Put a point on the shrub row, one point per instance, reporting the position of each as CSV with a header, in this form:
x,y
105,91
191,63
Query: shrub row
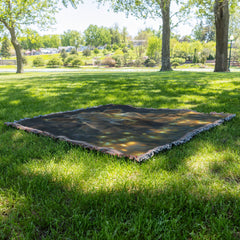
x,y
71,61
76,61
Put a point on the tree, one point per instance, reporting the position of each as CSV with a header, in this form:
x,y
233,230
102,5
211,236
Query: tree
x,y
15,15
144,35
72,38
205,32
97,36
234,25
144,9
221,10
51,41
124,35
154,48
5,49
115,35
31,41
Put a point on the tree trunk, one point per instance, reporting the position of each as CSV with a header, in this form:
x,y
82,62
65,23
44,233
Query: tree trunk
x,y
17,48
165,8
221,12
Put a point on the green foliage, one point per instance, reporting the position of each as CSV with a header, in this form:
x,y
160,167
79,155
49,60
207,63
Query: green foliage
x,y
205,33
71,38
125,50
17,14
74,51
118,52
5,49
97,36
63,54
178,60
73,61
150,62
154,48
138,62
126,59
234,25
86,52
77,62
115,35
109,47
31,40
51,41
192,50
145,35
119,60
38,62
96,50
115,47
68,60
105,51
54,62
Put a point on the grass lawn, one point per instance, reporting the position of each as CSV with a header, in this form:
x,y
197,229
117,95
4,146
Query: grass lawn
x,y
52,190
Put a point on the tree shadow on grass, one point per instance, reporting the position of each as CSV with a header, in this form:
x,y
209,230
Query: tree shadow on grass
x,y
110,198
43,205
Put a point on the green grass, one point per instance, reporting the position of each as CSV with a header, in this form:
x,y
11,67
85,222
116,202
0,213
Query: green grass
x,y
52,190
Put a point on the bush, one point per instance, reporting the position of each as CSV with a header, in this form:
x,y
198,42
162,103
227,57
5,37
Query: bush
x,y
150,62
97,62
54,62
76,62
68,60
126,59
109,61
96,50
119,60
109,48
125,50
74,51
203,59
63,54
178,60
105,52
86,52
138,62
118,52
115,46
38,62
73,61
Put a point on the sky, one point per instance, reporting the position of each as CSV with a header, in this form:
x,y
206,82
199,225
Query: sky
x,y
88,13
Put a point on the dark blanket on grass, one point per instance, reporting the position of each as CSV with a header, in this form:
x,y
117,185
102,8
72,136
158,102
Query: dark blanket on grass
x,y
137,133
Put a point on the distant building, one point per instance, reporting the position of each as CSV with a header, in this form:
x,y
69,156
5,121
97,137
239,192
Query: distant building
x,y
48,50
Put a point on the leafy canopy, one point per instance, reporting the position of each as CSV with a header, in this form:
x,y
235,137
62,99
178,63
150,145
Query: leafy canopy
x,y
21,13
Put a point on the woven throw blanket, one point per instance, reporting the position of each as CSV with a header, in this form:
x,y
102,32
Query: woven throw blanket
x,y
122,130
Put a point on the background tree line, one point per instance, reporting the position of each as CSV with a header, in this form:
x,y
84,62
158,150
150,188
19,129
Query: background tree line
x,y
17,15
196,48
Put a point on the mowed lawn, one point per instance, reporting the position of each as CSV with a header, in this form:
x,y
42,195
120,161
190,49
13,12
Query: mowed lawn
x,y
52,190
